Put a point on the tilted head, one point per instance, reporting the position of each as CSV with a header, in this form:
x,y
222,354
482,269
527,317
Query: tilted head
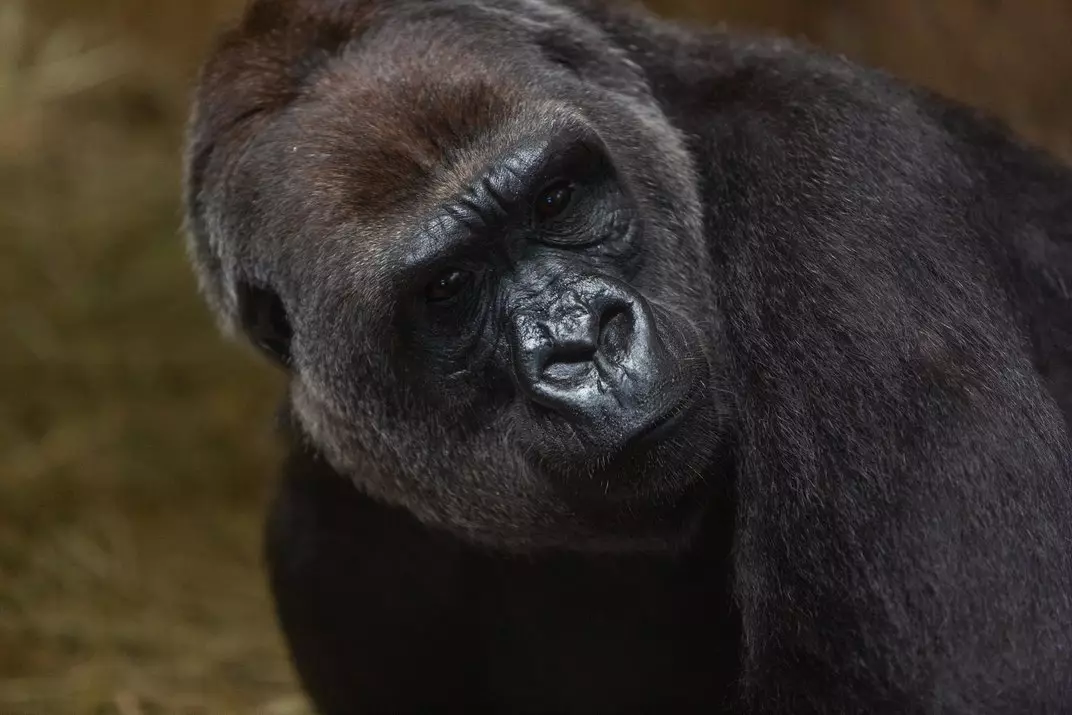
x,y
474,241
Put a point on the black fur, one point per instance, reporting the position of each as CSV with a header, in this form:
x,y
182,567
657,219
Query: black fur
x,y
857,294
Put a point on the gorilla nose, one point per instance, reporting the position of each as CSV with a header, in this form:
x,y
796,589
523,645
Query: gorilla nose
x,y
591,354
590,334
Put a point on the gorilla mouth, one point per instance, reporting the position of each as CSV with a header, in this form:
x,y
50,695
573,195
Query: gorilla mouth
x,y
662,425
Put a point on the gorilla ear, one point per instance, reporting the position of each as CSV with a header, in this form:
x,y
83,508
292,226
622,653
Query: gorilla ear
x,y
263,318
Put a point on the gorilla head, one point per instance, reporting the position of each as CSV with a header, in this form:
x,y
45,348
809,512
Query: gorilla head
x,y
481,263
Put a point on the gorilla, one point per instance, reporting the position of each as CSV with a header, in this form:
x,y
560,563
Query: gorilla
x,y
637,368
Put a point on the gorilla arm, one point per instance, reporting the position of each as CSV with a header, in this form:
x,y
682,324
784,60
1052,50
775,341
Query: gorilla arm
x,y
371,603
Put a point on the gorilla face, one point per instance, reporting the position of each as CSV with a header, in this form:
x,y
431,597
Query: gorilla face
x,y
480,257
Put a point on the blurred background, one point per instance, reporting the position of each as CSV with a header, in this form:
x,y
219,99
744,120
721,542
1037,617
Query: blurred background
x,y
136,447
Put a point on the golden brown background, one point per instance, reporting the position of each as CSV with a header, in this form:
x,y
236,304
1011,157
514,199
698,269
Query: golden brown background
x,y
136,449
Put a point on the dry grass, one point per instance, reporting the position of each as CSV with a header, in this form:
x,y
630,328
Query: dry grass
x,y
136,451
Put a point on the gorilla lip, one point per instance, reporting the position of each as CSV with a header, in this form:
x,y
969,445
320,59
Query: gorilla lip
x,y
663,425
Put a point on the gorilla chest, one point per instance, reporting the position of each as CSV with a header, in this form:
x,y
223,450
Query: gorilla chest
x,y
383,615
567,635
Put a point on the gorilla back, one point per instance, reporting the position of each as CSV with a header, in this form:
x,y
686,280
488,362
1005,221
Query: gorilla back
x,y
641,369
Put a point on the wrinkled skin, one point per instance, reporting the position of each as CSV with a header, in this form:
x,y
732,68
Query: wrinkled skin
x,y
635,369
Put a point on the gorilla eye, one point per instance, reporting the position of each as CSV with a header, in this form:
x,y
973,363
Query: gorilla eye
x,y
553,200
447,285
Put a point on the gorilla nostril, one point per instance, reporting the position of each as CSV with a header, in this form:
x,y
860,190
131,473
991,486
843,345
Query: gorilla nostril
x,y
615,328
569,360
568,371
572,353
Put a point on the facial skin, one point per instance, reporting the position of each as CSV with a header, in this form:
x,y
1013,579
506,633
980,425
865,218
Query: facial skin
x,y
485,283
